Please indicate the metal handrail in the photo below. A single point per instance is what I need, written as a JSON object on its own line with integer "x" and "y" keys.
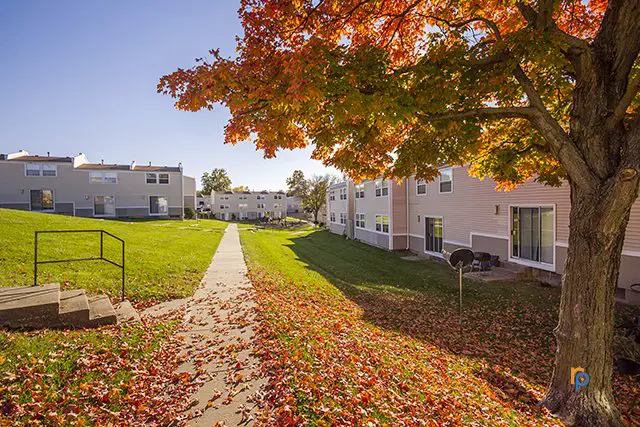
{"x": 36, "y": 262}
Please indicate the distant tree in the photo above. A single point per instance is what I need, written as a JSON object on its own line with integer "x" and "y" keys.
{"x": 240, "y": 189}
{"x": 217, "y": 180}
{"x": 317, "y": 193}
{"x": 297, "y": 185}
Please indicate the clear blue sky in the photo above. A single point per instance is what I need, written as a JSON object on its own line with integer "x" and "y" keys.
{"x": 81, "y": 76}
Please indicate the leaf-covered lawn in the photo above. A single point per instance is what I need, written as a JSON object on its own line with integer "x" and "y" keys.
{"x": 109, "y": 376}
{"x": 353, "y": 335}
{"x": 164, "y": 259}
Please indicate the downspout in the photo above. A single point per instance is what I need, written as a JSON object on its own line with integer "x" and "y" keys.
{"x": 407, "y": 204}
{"x": 181, "y": 192}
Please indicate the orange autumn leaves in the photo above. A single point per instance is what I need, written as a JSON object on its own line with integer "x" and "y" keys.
{"x": 361, "y": 80}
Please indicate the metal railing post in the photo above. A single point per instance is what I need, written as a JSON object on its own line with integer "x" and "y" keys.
{"x": 101, "y": 244}
{"x": 35, "y": 260}
{"x": 123, "y": 270}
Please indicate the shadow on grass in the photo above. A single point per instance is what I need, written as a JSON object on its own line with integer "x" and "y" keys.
{"x": 505, "y": 324}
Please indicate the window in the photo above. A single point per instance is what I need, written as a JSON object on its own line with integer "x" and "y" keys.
{"x": 343, "y": 194}
{"x": 277, "y": 197}
{"x": 41, "y": 200}
{"x": 332, "y": 217}
{"x": 242, "y": 197}
{"x": 103, "y": 177}
{"x": 446, "y": 181}
{"x": 433, "y": 234}
{"x": 360, "y": 220}
{"x": 343, "y": 218}
{"x": 104, "y": 206}
{"x": 242, "y": 205}
{"x": 158, "y": 205}
{"x": 225, "y": 207}
{"x": 359, "y": 191}
{"x": 40, "y": 169}
{"x": 332, "y": 195}
{"x": 261, "y": 197}
{"x": 382, "y": 188}
{"x": 277, "y": 206}
{"x": 157, "y": 178}
{"x": 421, "y": 187}
{"x": 260, "y": 205}
{"x": 532, "y": 233}
{"x": 382, "y": 223}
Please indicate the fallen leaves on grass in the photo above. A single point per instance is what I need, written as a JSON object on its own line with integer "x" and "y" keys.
{"x": 113, "y": 375}
{"x": 387, "y": 358}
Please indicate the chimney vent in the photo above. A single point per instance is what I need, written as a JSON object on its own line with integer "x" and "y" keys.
{"x": 102, "y": 161}
{"x": 48, "y": 154}
{"x": 149, "y": 163}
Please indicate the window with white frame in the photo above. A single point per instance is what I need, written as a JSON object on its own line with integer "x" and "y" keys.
{"x": 158, "y": 205}
{"x": 446, "y": 180}
{"x": 104, "y": 205}
{"x": 277, "y": 206}
{"x": 332, "y": 195}
{"x": 103, "y": 177}
{"x": 343, "y": 218}
{"x": 343, "y": 194}
{"x": 225, "y": 207}
{"x": 360, "y": 220}
{"x": 359, "y": 191}
{"x": 332, "y": 217}
{"x": 242, "y": 197}
{"x": 382, "y": 188}
{"x": 40, "y": 169}
{"x": 421, "y": 188}
{"x": 260, "y": 205}
{"x": 157, "y": 178}
{"x": 261, "y": 197}
{"x": 382, "y": 223}
{"x": 242, "y": 205}
{"x": 433, "y": 234}
{"x": 277, "y": 197}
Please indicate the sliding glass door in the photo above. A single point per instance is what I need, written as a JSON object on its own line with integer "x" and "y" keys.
{"x": 532, "y": 234}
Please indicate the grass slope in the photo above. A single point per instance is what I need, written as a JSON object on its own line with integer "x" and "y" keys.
{"x": 164, "y": 259}
{"x": 354, "y": 334}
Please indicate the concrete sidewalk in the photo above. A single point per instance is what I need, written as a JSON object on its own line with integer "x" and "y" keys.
{"x": 219, "y": 343}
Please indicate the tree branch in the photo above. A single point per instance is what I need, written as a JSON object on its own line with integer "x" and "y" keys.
{"x": 489, "y": 112}
{"x": 632, "y": 90}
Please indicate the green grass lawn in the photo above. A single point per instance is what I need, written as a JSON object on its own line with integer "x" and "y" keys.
{"x": 114, "y": 374}
{"x": 347, "y": 326}
{"x": 164, "y": 259}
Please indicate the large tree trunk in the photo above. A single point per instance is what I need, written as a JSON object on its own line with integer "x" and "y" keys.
{"x": 598, "y": 220}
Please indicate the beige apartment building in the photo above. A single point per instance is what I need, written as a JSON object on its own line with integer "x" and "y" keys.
{"x": 340, "y": 202}
{"x": 249, "y": 205}
{"x": 528, "y": 226}
{"x": 74, "y": 186}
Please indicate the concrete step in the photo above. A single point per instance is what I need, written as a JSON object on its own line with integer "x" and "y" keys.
{"x": 74, "y": 309}
{"x": 30, "y": 307}
{"x": 101, "y": 311}
{"x": 125, "y": 312}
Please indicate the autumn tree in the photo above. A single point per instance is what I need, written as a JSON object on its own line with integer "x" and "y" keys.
{"x": 316, "y": 196}
{"x": 240, "y": 189}
{"x": 297, "y": 184}
{"x": 521, "y": 89}
{"x": 217, "y": 180}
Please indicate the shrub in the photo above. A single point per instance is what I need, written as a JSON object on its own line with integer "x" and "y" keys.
{"x": 189, "y": 213}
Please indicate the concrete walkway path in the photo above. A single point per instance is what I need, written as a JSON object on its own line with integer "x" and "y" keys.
{"x": 219, "y": 344}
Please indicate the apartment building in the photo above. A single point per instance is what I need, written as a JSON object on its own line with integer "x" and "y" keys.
{"x": 74, "y": 186}
{"x": 528, "y": 226}
{"x": 249, "y": 205}
{"x": 339, "y": 206}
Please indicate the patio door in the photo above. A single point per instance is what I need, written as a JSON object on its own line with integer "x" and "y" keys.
{"x": 532, "y": 236}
